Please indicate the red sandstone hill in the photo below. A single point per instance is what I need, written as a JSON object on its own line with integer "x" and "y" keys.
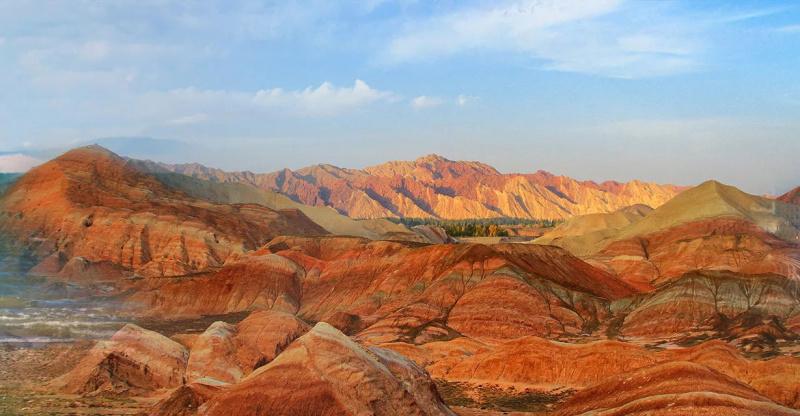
{"x": 670, "y": 389}
{"x": 717, "y": 262}
{"x": 594, "y": 370}
{"x": 728, "y": 244}
{"x": 433, "y": 186}
{"x": 402, "y": 291}
{"x": 273, "y": 362}
{"x": 538, "y": 363}
{"x": 384, "y": 291}
{"x": 270, "y": 363}
{"x": 90, "y": 204}
{"x": 325, "y": 373}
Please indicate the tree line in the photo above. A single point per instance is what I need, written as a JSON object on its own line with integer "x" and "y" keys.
{"x": 478, "y": 227}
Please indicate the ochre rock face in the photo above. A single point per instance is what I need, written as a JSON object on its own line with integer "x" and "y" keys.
{"x": 325, "y": 373}
{"x": 90, "y": 203}
{"x": 390, "y": 291}
{"x": 728, "y": 244}
{"x": 134, "y": 361}
{"x": 669, "y": 389}
{"x": 433, "y": 186}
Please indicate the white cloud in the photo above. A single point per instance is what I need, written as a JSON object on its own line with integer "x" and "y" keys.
{"x": 325, "y": 99}
{"x": 748, "y": 15}
{"x": 46, "y": 68}
{"x": 511, "y": 26}
{"x": 648, "y": 43}
{"x": 187, "y": 120}
{"x": 789, "y": 29}
{"x": 605, "y": 37}
{"x": 94, "y": 50}
{"x": 193, "y": 105}
{"x": 464, "y": 100}
{"x": 424, "y": 101}
{"x": 17, "y": 162}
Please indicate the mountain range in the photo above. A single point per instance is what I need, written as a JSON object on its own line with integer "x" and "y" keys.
{"x": 435, "y": 187}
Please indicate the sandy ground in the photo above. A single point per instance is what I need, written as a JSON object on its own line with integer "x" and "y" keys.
{"x": 466, "y": 411}
{"x": 25, "y": 370}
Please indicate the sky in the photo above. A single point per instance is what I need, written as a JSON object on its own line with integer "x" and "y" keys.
{"x": 667, "y": 91}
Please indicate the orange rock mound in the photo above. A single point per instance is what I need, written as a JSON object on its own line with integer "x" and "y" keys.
{"x": 226, "y": 353}
{"x": 325, "y": 373}
{"x": 134, "y": 361}
{"x": 543, "y": 364}
{"x": 670, "y": 389}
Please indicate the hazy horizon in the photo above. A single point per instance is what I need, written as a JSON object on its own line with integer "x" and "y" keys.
{"x": 670, "y": 92}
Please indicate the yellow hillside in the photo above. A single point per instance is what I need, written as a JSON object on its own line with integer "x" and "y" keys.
{"x": 581, "y": 232}
{"x": 710, "y": 199}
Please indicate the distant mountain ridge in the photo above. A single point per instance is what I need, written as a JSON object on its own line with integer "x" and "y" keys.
{"x": 435, "y": 187}
{"x": 791, "y": 197}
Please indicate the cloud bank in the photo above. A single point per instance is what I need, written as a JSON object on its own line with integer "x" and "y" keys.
{"x": 16, "y": 163}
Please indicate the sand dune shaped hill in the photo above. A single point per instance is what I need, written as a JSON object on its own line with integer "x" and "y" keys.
{"x": 710, "y": 200}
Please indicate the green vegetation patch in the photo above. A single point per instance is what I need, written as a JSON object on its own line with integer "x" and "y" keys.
{"x": 478, "y": 227}
{"x": 497, "y": 398}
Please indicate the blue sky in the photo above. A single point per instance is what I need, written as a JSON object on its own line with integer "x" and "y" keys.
{"x": 671, "y": 91}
